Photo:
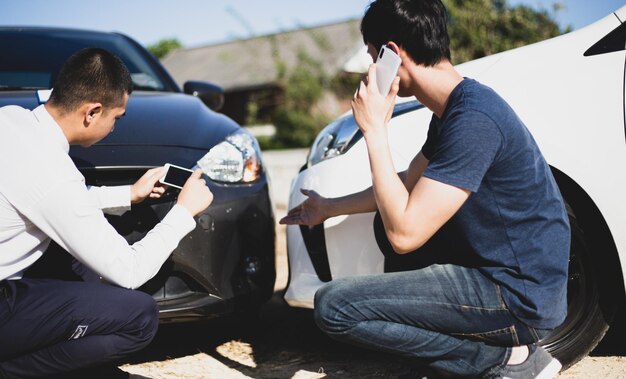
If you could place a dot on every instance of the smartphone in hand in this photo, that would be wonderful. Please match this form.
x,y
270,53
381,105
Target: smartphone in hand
x,y
175,176
387,65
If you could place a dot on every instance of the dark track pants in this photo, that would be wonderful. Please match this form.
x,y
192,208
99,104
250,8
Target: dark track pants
x,y
51,326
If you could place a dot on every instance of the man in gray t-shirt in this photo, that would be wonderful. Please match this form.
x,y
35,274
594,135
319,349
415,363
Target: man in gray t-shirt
x,y
479,172
515,220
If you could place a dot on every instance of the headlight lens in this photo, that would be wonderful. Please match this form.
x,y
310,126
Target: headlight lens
x,y
236,160
333,140
340,135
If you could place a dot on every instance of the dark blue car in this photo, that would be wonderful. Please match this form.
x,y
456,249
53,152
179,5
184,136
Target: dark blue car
x,y
227,263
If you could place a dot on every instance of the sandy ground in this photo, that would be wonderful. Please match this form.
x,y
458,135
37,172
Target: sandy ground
x,y
282,342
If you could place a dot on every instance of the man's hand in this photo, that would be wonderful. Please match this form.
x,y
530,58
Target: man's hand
x,y
309,212
147,186
372,111
195,195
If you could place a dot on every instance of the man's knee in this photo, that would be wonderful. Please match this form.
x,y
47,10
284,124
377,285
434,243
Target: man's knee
x,y
330,309
144,319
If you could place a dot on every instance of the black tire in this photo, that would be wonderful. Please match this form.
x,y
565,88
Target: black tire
x,y
588,318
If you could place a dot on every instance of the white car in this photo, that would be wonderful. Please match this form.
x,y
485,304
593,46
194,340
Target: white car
x,y
569,91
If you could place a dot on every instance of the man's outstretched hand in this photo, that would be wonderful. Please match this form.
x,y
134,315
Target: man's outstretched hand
x,y
312,211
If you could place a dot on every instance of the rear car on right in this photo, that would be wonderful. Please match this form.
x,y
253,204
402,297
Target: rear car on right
x,y
570,93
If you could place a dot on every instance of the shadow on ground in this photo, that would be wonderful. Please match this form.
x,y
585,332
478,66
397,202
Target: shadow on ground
x,y
282,342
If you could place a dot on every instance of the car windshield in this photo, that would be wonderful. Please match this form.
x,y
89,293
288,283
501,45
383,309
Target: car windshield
x,y
32,59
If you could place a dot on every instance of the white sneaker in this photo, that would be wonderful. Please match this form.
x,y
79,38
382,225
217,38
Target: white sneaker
x,y
539,365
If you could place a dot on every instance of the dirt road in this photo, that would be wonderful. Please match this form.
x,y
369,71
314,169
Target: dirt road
x,y
282,342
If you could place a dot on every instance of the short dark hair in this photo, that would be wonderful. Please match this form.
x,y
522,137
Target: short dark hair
x,y
418,26
91,75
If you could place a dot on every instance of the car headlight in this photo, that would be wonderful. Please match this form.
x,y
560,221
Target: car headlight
x,y
333,140
235,160
340,135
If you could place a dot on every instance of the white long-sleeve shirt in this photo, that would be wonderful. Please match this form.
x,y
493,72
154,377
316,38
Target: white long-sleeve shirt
x,y
43,196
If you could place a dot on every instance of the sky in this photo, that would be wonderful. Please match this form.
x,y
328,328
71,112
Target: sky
x,y
202,22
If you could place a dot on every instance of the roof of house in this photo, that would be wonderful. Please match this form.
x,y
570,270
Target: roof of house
x,y
256,62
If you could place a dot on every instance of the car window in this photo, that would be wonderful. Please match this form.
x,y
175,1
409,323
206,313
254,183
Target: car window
x,y
32,59
614,41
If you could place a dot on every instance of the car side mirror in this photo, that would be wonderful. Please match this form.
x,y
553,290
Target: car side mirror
x,y
211,95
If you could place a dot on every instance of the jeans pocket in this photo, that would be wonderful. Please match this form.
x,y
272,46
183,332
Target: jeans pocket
x,y
499,337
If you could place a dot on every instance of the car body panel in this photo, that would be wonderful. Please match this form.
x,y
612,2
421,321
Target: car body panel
x,y
165,119
594,139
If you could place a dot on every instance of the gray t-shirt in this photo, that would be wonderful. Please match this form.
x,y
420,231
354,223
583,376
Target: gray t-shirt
x,y
514,220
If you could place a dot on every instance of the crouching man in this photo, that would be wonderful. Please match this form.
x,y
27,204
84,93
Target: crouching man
x,y
479,171
58,328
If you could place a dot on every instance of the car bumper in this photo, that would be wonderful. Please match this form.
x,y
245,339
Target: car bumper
x,y
345,245
340,247
224,265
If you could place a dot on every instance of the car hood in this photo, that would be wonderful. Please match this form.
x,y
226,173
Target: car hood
x,y
155,118
157,126
169,119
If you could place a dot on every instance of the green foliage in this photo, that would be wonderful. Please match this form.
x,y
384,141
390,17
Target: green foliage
x,y
279,63
164,46
296,128
259,106
295,120
321,40
477,28
344,84
482,27
305,84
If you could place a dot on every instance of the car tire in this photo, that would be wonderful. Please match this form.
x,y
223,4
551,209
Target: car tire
x,y
588,316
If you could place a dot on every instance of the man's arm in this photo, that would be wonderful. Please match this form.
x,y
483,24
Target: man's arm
x,y
117,200
111,200
411,216
316,209
68,215
416,168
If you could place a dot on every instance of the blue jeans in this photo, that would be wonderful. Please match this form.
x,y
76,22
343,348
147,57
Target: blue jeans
x,y
450,317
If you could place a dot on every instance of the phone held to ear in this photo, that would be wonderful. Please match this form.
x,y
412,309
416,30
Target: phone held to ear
x,y
175,176
387,65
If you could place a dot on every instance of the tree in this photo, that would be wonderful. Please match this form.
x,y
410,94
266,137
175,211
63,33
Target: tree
x,y
298,120
482,27
164,46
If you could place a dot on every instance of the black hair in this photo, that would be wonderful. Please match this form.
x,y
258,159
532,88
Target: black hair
x,y
91,75
418,26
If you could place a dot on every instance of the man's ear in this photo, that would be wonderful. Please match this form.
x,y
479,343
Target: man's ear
x,y
404,56
394,46
90,111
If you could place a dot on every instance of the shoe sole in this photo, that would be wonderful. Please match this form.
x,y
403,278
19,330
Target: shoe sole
x,y
548,372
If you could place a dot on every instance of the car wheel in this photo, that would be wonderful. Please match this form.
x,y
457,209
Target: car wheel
x,y
588,318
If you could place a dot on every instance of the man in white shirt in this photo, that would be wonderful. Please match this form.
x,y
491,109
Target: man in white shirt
x,y
47,326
